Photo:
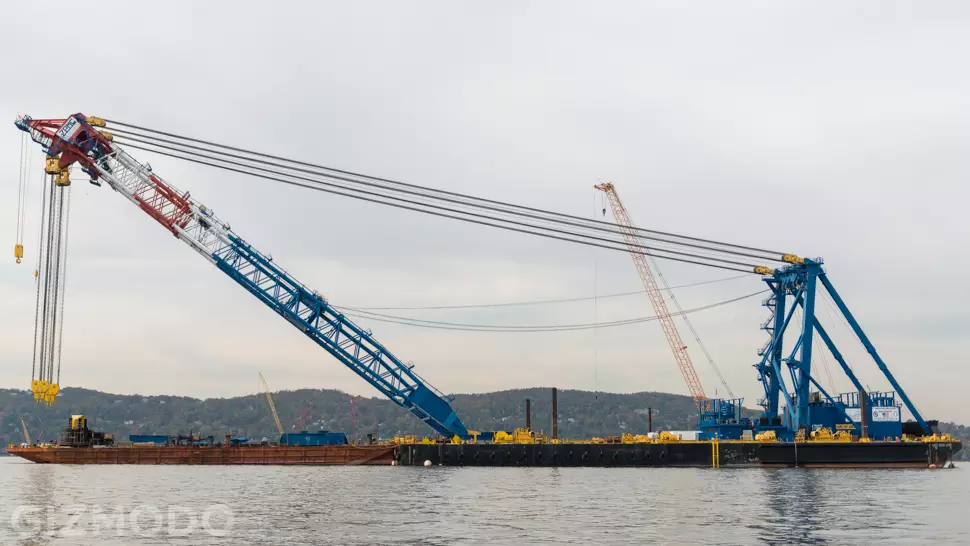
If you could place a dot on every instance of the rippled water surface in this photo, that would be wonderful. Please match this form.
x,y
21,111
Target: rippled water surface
x,y
56,504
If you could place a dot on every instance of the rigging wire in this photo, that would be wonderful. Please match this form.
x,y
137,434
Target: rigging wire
x,y
40,252
23,189
832,309
45,282
445,325
127,139
20,186
596,348
825,361
543,302
62,283
469,220
433,206
690,326
830,305
425,188
800,317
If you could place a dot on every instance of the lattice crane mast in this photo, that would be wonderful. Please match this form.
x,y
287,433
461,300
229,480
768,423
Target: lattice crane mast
x,y
26,434
300,424
635,245
76,139
272,406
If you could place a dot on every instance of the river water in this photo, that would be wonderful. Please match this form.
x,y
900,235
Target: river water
x,y
58,504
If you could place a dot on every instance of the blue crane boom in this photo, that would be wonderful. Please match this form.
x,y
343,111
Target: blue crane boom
x,y
76,139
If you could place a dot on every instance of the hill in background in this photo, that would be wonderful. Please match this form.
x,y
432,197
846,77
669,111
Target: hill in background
x,y
582,414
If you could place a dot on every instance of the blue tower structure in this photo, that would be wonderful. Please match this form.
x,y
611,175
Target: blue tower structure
x,y
807,404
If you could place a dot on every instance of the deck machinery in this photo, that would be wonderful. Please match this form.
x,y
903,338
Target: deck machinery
x,y
78,139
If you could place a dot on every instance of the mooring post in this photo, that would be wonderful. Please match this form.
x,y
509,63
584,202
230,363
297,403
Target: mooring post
x,y
528,414
555,414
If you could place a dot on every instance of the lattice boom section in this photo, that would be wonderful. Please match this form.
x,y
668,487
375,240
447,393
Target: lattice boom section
x,y
159,199
308,312
634,244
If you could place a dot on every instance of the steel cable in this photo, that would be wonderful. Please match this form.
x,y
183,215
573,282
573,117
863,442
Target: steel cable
x,y
127,138
409,321
776,254
541,302
433,213
438,207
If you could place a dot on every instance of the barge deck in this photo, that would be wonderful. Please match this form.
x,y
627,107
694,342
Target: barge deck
x,y
697,454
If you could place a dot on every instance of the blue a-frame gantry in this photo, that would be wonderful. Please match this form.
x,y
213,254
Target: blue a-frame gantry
x,y
795,286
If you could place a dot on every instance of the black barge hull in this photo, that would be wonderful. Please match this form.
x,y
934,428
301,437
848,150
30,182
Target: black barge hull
x,y
685,454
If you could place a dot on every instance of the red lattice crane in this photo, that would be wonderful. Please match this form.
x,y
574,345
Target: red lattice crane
x,y
635,245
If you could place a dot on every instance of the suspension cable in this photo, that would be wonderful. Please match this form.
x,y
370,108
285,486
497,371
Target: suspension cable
x,y
63,281
126,137
443,325
690,326
541,302
439,207
775,254
397,204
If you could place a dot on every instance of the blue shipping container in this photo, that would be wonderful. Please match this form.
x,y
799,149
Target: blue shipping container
x,y
322,438
147,439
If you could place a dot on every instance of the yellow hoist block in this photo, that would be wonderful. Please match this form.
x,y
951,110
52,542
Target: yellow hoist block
x,y
38,387
762,270
18,252
792,259
52,391
107,135
44,391
63,178
95,121
52,164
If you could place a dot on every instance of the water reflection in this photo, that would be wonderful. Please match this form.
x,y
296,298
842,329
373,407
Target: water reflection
x,y
791,497
417,505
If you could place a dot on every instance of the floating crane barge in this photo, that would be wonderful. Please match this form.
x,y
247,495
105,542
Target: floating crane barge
x,y
812,428
922,453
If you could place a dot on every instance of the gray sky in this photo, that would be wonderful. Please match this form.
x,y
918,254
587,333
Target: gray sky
x,y
837,130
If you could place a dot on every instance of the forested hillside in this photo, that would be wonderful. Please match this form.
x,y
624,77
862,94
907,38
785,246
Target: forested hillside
x,y
582,414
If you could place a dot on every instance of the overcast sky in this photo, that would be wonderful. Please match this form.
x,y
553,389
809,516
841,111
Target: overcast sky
x,y
835,129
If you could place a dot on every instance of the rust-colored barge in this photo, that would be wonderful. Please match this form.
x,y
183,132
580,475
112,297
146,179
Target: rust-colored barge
x,y
215,455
